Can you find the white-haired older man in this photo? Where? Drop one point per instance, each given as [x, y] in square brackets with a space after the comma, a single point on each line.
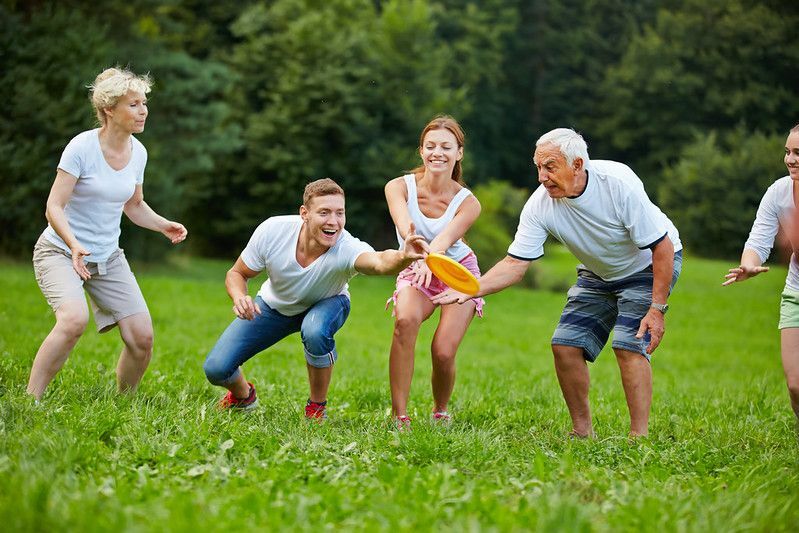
[631, 257]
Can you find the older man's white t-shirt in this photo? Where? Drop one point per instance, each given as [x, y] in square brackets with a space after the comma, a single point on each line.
[292, 288]
[610, 227]
[94, 210]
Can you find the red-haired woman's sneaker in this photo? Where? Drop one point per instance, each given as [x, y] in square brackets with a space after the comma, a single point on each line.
[316, 410]
[441, 418]
[402, 423]
[231, 402]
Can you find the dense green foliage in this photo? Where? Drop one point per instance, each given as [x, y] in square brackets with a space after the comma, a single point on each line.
[722, 455]
[252, 99]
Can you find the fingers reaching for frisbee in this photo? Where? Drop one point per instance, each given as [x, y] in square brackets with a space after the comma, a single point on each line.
[450, 296]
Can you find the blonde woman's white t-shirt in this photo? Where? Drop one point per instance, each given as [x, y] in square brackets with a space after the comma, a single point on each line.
[292, 288]
[609, 227]
[94, 210]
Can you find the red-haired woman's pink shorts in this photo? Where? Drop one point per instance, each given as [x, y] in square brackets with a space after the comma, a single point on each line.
[436, 287]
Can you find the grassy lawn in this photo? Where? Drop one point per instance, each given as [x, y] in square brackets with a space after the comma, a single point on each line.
[722, 455]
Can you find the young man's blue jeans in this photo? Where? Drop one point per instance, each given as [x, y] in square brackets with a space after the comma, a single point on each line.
[244, 338]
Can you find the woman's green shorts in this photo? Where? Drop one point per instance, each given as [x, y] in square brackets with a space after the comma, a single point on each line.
[789, 309]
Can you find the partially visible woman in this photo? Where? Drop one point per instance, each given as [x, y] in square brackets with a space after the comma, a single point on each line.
[433, 199]
[99, 176]
[778, 208]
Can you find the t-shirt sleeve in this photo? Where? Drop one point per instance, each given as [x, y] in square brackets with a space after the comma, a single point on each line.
[643, 220]
[140, 173]
[73, 157]
[765, 226]
[256, 252]
[528, 244]
[351, 248]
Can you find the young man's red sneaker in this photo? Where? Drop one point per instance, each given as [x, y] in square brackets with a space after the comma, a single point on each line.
[316, 410]
[231, 402]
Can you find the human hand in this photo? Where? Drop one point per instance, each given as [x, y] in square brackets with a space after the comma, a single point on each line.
[415, 247]
[653, 323]
[175, 232]
[245, 308]
[742, 273]
[450, 296]
[78, 253]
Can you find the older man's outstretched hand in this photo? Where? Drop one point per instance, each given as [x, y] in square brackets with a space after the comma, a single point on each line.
[450, 296]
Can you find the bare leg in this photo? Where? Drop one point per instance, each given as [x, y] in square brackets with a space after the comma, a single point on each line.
[636, 377]
[411, 309]
[137, 334]
[71, 319]
[789, 338]
[574, 381]
[455, 319]
[319, 379]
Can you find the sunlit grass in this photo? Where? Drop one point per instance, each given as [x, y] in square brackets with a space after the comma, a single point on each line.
[722, 456]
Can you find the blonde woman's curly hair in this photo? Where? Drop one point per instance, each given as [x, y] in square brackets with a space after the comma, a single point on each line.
[113, 83]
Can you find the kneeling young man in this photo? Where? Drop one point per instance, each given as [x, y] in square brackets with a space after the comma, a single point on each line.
[309, 258]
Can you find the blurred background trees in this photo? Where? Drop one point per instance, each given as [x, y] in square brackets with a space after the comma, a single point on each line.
[254, 98]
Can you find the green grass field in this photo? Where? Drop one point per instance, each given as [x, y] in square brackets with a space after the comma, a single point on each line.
[722, 454]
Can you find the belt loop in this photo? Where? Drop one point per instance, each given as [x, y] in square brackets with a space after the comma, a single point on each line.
[101, 268]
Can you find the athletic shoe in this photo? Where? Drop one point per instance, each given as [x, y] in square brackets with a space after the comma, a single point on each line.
[316, 410]
[441, 418]
[402, 423]
[231, 402]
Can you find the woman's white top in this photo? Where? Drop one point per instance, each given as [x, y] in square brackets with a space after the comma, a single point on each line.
[776, 204]
[429, 228]
[94, 210]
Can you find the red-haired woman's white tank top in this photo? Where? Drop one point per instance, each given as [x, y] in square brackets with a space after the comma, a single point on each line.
[429, 228]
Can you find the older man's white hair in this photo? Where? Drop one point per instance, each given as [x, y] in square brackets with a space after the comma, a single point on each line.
[570, 143]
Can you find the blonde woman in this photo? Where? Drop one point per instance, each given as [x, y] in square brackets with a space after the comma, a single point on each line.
[100, 175]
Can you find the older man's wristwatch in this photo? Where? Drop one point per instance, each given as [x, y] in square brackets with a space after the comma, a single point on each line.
[660, 307]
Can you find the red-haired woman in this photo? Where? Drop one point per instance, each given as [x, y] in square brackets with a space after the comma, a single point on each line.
[432, 198]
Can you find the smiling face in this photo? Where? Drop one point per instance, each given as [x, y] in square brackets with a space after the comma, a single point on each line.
[324, 217]
[554, 172]
[440, 151]
[792, 155]
[130, 112]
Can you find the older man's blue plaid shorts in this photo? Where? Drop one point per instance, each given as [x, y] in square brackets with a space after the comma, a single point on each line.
[595, 307]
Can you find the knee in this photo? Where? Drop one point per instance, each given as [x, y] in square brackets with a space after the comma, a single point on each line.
[217, 370]
[443, 353]
[142, 343]
[316, 340]
[793, 386]
[73, 323]
[406, 324]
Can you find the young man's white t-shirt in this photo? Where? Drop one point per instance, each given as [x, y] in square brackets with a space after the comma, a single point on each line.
[610, 227]
[95, 208]
[777, 203]
[291, 288]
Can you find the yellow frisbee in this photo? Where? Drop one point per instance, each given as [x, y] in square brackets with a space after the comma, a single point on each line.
[454, 274]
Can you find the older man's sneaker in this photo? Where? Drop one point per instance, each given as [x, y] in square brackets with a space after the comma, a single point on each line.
[231, 402]
[316, 410]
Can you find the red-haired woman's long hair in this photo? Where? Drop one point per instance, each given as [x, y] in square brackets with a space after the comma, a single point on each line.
[444, 122]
